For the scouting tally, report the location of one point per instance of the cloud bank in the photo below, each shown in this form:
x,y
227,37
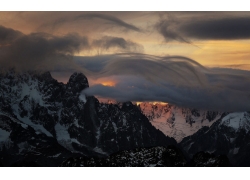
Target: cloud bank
x,y
139,77
45,52
37,51
174,79
204,28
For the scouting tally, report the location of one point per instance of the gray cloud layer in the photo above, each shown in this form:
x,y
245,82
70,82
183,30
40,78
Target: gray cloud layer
x,y
173,69
218,29
8,35
214,28
176,80
42,51
37,51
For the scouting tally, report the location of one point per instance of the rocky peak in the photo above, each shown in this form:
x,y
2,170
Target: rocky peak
x,y
46,76
78,82
127,106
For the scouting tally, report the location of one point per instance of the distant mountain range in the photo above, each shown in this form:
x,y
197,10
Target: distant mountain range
x,y
219,133
229,135
47,123
178,122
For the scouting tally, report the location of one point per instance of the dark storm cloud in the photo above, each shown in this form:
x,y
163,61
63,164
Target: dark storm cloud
x,y
37,50
204,28
218,29
108,42
173,79
8,35
112,19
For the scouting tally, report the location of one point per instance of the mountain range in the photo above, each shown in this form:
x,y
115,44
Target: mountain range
x,y
47,123
178,122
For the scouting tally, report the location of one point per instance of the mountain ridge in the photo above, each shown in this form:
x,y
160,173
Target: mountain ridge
x,y
55,112
178,122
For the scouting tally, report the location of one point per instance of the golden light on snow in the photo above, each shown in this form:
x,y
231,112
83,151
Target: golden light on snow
x,y
108,83
154,103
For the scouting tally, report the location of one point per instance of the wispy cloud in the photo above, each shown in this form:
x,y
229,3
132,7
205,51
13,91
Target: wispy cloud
x,y
109,42
109,18
168,29
90,19
173,79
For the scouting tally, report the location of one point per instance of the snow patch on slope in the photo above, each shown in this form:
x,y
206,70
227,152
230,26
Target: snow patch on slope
x,y
237,121
82,97
25,126
63,137
39,128
61,132
4,135
30,90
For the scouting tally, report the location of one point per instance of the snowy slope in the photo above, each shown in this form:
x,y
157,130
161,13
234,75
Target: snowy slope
x,y
237,121
175,121
229,136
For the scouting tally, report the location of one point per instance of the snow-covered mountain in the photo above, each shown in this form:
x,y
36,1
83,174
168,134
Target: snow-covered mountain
x,y
230,135
44,120
175,121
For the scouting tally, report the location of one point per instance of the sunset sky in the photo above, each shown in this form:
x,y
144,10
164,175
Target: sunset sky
x,y
180,51
210,38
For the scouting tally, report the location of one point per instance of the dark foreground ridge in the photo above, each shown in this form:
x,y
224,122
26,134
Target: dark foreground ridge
x,y
169,156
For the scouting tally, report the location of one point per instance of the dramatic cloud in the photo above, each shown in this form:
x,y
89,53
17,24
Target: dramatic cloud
x,y
217,29
208,28
175,69
111,19
176,80
137,77
167,28
38,51
43,51
88,20
108,42
8,35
